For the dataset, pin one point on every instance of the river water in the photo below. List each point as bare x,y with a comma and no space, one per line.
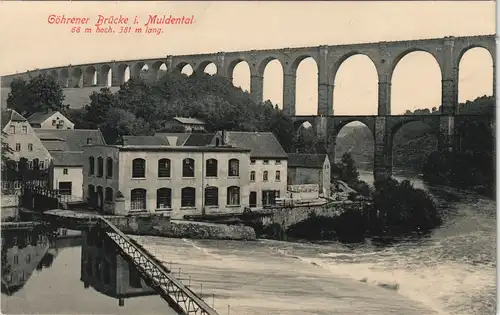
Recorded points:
451,272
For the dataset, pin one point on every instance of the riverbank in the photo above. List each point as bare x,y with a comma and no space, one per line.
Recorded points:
154,225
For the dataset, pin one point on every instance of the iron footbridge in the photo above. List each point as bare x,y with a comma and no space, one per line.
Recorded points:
180,297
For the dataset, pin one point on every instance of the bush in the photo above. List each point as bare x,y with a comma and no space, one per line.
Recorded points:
402,209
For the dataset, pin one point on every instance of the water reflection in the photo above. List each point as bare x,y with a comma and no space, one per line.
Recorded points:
23,251
44,272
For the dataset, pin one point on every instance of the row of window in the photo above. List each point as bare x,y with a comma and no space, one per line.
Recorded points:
100,167
18,146
266,162
33,164
12,129
138,197
265,176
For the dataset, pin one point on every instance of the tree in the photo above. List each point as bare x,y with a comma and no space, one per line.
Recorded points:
119,122
348,171
100,103
41,94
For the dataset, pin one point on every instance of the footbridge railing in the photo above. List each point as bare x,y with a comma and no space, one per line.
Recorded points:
181,298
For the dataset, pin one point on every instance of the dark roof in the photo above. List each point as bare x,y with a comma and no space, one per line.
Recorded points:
261,144
145,140
199,139
68,139
181,136
67,158
166,148
188,121
38,118
306,160
10,115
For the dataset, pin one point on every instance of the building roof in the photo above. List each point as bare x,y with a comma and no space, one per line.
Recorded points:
261,144
188,121
306,160
67,158
68,139
10,115
181,136
40,117
145,140
166,148
197,139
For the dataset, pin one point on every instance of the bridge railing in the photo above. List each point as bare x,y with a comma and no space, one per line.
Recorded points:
173,291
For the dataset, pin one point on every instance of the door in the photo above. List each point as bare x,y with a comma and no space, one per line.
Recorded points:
268,197
253,199
65,188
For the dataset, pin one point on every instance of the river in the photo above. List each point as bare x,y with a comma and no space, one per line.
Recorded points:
451,272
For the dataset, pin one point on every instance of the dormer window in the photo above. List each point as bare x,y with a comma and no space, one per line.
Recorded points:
89,140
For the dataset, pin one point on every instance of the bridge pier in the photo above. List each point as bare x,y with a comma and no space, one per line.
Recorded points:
257,88
382,161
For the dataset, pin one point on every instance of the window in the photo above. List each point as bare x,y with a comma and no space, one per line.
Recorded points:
28,258
42,165
233,196
18,147
16,259
91,195
109,167
36,164
138,168
234,167
211,196
108,194
164,198
252,176
30,165
100,167
91,165
25,130
264,176
65,171
278,162
53,122
211,168
188,197
138,199
89,140
12,129
30,147
265,162
188,168
164,168
278,176
252,161
217,142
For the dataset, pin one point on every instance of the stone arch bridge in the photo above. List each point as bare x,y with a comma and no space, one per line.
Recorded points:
447,52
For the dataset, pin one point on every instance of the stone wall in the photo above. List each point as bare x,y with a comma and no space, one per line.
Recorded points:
157,225
287,217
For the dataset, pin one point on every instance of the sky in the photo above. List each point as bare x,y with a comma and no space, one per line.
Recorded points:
29,42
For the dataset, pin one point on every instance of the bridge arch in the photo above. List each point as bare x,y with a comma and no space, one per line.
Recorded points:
404,76
139,69
411,141
123,74
239,72
273,82
76,77
207,67
64,77
355,137
301,85
54,75
106,78
344,101
157,69
475,135
90,76
478,64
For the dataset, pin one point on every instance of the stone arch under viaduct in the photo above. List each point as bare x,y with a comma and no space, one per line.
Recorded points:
385,56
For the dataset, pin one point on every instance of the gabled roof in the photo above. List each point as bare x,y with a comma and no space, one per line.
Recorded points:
10,115
188,121
145,140
181,136
68,139
40,117
67,158
261,144
199,139
306,160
